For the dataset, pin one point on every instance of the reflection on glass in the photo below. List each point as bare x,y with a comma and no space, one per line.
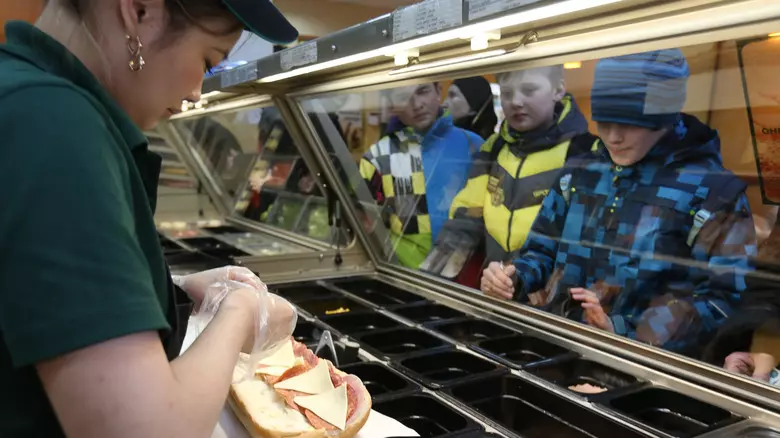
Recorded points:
602,247
621,193
254,158
470,101
416,169
513,172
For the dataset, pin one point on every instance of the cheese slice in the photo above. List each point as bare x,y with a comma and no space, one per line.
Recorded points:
331,406
264,405
282,357
315,381
271,371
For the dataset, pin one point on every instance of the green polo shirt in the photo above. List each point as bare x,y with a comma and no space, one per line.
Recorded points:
80,261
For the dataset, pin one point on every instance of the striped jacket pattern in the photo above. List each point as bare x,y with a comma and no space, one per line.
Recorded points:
416,177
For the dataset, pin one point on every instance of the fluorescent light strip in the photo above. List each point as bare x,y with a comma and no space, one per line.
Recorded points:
210,94
469,31
450,61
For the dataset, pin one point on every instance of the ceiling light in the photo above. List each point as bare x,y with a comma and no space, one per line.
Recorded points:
572,65
211,94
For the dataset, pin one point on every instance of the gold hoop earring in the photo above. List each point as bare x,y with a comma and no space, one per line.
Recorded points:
134,46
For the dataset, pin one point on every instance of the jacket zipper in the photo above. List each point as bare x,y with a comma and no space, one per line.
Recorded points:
512,213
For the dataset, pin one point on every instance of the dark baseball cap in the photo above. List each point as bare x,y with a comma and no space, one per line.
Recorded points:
263,19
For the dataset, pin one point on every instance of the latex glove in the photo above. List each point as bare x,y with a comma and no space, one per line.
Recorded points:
497,281
594,313
196,285
274,319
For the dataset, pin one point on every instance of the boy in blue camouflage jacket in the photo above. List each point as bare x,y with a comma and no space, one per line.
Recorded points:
649,236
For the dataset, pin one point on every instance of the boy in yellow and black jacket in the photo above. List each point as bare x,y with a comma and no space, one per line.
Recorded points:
512,172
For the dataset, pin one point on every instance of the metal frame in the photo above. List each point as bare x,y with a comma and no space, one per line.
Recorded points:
308,266
223,202
769,415
619,31
198,168
723,21
610,35
321,154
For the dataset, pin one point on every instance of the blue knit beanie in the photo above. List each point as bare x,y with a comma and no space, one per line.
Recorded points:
644,89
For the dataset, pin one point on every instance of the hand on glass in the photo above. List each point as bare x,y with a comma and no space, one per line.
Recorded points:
756,365
740,363
497,281
594,313
196,285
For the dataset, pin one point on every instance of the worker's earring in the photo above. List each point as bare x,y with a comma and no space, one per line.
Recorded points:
134,46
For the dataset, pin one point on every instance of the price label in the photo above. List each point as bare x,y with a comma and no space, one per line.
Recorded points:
239,75
485,8
300,55
425,18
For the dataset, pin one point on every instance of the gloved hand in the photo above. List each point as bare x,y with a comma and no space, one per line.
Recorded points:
196,285
274,319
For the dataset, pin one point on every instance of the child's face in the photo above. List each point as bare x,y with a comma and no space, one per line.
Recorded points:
528,99
626,144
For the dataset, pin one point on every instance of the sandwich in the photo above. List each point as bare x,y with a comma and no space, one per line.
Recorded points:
295,394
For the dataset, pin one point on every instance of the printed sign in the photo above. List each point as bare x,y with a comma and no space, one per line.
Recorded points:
300,55
425,18
485,8
763,105
239,75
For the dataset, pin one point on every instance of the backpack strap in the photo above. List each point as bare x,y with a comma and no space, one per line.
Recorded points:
719,195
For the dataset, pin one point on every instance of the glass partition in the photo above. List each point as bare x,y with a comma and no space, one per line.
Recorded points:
254,159
637,194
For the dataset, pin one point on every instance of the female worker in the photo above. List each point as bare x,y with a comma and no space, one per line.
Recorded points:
470,101
649,236
84,290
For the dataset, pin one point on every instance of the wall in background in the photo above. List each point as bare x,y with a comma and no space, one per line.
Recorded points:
319,17
311,17
27,10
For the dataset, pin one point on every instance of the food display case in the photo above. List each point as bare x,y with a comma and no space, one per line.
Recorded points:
439,356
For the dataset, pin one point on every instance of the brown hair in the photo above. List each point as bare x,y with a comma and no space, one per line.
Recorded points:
196,12
553,72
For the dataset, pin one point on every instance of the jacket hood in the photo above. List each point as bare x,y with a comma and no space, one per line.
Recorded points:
569,123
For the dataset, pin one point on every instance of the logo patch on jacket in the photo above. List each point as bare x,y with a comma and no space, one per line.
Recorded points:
496,191
541,193
565,186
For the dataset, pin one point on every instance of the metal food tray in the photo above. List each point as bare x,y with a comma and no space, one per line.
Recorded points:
413,337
